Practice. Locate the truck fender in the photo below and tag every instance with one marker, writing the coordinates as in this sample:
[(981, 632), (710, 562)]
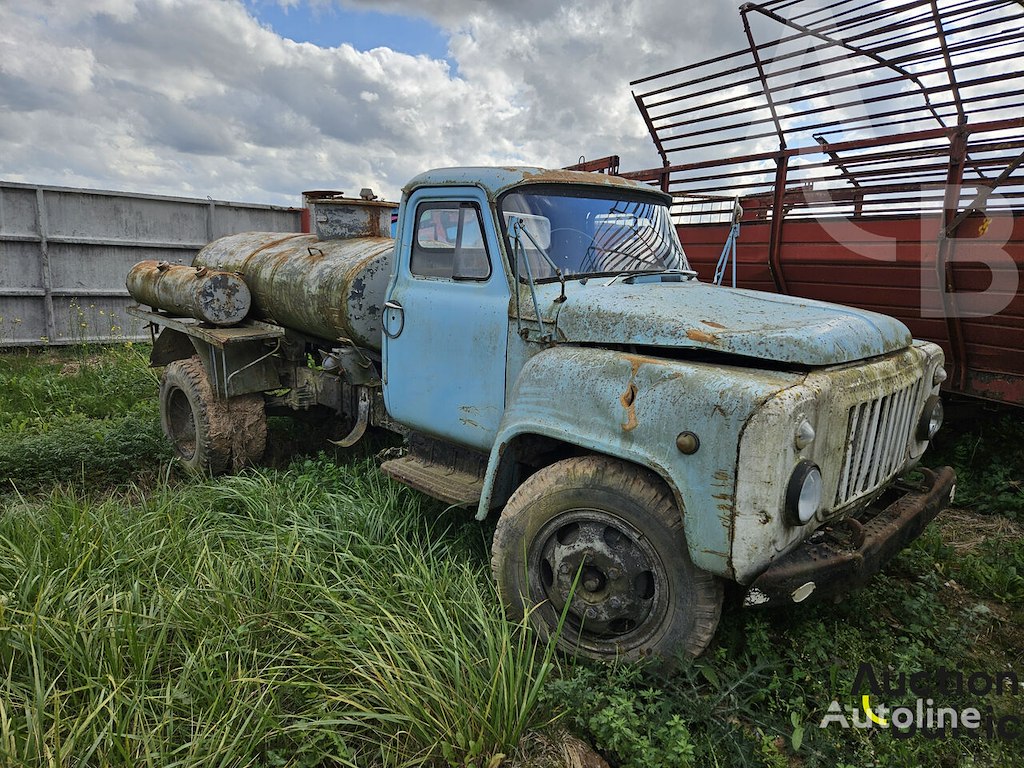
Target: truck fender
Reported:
[(498, 481), (171, 345), (633, 408)]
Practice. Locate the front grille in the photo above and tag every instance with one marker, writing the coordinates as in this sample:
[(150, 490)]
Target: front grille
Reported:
[(876, 442)]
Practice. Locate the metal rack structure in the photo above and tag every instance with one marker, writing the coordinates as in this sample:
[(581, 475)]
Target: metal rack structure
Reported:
[(877, 150)]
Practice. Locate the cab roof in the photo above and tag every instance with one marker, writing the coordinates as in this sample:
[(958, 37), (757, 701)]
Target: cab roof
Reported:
[(495, 180)]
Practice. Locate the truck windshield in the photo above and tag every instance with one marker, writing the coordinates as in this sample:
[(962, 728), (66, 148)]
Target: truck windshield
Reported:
[(587, 232)]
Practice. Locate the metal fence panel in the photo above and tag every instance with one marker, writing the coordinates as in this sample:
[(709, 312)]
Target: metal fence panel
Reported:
[(64, 254)]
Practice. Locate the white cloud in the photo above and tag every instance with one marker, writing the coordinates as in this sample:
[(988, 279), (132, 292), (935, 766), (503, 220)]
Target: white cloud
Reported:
[(195, 97)]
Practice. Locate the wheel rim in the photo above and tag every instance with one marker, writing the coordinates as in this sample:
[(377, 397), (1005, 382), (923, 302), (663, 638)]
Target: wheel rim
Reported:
[(181, 424), (620, 596)]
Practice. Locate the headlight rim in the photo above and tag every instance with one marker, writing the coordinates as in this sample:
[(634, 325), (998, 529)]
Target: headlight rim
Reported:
[(804, 470), (933, 407)]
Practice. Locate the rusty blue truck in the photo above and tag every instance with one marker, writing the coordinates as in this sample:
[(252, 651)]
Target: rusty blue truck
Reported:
[(549, 357)]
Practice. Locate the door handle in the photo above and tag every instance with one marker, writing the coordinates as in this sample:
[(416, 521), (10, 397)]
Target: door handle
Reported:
[(397, 308)]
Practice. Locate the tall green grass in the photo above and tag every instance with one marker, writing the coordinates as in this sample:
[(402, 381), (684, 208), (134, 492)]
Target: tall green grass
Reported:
[(315, 616), (82, 415), (322, 616)]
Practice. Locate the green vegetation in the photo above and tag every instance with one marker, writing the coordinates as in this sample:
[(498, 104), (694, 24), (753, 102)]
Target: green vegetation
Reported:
[(84, 415), (287, 619), (986, 445), (319, 615)]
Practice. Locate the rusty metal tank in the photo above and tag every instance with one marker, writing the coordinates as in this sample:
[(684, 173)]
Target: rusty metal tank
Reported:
[(210, 295), (329, 286)]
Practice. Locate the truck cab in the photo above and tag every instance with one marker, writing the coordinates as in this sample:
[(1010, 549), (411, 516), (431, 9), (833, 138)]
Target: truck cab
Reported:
[(550, 358)]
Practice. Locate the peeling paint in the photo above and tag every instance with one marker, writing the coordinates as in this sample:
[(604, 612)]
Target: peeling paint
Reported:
[(702, 337), (494, 181), (213, 296)]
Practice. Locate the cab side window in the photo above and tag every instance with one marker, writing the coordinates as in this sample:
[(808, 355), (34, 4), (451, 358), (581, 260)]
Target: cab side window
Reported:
[(449, 242)]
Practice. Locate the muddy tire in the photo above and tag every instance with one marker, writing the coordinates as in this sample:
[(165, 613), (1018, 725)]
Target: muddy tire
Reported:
[(613, 529), (248, 430), (209, 435)]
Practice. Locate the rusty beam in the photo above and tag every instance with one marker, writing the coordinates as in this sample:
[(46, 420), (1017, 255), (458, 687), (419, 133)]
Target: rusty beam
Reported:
[(948, 62), (609, 165), (839, 146), (909, 76), (944, 255), (778, 216), (761, 74), (650, 129)]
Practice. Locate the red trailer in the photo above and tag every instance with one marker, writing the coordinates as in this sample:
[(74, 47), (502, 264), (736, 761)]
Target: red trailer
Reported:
[(865, 153)]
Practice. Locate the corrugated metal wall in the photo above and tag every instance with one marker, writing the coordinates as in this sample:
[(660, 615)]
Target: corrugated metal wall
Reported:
[(64, 254)]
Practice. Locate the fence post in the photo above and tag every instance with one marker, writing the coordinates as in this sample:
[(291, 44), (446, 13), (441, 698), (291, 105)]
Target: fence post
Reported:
[(44, 263)]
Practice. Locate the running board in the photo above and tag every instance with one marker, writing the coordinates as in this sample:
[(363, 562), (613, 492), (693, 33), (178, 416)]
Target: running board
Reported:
[(452, 486)]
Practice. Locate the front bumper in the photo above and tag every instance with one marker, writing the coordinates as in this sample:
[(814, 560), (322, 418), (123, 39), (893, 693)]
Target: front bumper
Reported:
[(835, 559)]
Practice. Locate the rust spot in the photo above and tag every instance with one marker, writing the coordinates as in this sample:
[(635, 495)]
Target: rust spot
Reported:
[(578, 177), (635, 361), (701, 336), (628, 401), (629, 396), (712, 323)]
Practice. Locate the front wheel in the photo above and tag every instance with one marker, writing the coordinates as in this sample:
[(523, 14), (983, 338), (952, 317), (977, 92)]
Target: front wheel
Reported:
[(601, 543)]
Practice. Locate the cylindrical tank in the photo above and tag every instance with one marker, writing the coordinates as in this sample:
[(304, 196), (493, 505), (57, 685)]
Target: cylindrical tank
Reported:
[(330, 289), (214, 296)]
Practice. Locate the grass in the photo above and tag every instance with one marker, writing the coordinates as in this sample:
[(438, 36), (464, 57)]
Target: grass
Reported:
[(986, 445), (291, 618), (85, 415), (318, 614)]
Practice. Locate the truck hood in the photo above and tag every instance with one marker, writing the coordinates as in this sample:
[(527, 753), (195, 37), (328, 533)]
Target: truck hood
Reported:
[(693, 315)]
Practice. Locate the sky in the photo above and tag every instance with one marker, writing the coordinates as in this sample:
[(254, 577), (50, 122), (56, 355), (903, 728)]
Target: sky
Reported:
[(258, 100)]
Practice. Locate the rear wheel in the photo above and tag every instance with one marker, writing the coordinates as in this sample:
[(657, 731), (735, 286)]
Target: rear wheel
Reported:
[(601, 542), (209, 435)]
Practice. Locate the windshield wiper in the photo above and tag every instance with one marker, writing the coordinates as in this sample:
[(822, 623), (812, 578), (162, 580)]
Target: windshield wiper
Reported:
[(625, 275), (520, 226)]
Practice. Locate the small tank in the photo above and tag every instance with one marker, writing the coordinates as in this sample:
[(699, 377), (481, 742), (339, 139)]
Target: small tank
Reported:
[(329, 285), (210, 295)]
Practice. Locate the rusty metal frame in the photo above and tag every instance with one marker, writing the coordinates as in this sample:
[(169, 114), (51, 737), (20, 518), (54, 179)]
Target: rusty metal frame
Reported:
[(936, 56), (609, 165), (918, 44), (906, 109)]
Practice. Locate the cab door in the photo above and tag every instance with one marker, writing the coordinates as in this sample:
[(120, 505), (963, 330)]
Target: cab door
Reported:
[(446, 319)]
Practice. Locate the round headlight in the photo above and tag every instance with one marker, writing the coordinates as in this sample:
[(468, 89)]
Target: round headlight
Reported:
[(803, 494), (931, 418)]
